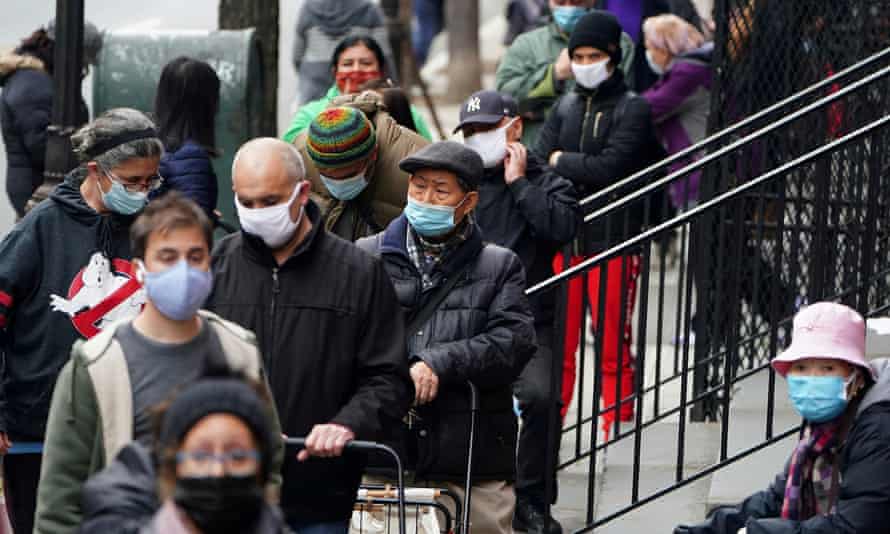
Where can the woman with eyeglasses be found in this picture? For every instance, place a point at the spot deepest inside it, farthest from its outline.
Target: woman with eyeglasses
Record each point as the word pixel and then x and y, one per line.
pixel 186 105
pixel 214 453
pixel 206 473
pixel 65 273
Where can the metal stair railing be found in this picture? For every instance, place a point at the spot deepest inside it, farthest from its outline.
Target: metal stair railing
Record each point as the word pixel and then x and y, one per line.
pixel 715 216
pixel 750 121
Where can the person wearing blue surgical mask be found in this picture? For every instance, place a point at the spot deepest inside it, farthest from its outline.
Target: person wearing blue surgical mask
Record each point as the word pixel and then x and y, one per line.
pixel 169 344
pixel 468 320
pixel 836 480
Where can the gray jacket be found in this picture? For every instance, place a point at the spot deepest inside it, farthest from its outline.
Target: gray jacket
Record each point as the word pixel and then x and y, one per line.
pixel 321 26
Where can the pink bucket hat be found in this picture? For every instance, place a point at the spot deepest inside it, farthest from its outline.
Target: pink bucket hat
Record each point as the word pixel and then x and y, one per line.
pixel 826 330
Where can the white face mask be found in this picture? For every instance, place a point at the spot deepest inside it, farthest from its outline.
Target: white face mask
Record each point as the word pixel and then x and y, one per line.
pixel 491 146
pixel 591 76
pixel 272 224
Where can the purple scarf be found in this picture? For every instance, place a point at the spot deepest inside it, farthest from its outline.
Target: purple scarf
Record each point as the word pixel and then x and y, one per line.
pixel 801 501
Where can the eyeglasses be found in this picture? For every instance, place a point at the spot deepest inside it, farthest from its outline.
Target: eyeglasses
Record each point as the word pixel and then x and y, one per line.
pixel 236 461
pixel 152 183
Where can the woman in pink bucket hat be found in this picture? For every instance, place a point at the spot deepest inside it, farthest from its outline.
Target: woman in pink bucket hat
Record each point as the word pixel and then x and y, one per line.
pixel 837 479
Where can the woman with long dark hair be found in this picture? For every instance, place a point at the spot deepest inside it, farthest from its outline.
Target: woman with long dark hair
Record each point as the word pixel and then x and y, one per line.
pixel 356 61
pixel 186 104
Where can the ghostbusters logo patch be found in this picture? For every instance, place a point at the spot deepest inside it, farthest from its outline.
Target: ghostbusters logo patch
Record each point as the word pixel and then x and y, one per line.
pixel 102 292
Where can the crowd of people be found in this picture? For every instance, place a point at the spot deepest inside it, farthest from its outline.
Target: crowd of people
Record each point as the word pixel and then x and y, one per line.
pixel 375 276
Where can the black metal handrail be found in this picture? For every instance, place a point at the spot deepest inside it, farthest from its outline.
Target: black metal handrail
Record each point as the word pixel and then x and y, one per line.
pixel 744 141
pixel 719 200
pixel 724 206
pixel 747 121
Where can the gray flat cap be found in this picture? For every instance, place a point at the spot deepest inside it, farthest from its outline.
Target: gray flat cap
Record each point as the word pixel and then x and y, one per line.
pixel 450 156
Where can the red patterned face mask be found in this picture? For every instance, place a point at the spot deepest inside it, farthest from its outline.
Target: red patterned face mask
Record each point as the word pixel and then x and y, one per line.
pixel 349 82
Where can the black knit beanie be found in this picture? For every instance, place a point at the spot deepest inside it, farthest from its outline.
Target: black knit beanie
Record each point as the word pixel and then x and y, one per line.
pixel 214 396
pixel 599 29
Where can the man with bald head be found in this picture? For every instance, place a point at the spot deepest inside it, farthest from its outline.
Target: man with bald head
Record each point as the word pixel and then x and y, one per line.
pixel 327 322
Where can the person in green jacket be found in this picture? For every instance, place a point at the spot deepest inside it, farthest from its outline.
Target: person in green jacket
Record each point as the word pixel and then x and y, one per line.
pixel 537 70
pixel 356 61
pixel 105 394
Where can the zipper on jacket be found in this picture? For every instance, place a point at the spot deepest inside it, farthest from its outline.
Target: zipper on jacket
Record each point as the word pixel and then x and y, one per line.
pixel 596 124
pixel 584 123
pixel 276 289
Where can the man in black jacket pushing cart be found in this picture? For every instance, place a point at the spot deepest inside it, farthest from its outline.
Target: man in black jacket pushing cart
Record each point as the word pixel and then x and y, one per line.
pixel 327 322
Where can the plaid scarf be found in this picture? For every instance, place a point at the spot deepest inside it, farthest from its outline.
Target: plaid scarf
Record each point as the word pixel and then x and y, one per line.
pixel 426 255
pixel 810 474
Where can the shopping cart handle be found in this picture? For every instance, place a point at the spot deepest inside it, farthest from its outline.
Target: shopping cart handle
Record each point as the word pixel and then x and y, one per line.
pixel 355 445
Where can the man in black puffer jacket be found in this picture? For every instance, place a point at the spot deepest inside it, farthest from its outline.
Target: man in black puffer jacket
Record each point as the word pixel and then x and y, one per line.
pixel 475 325
pixel 595 136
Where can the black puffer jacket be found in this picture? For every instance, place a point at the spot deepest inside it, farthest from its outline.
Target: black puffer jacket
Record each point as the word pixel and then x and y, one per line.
pixel 598 151
pixel 482 332
pixel 25 106
pixel 863 504
pixel 26 103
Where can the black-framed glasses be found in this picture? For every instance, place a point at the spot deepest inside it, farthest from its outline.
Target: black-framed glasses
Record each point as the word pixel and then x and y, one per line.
pixel 153 183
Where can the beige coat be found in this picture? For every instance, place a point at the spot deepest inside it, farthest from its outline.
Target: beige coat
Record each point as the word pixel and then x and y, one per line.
pixel 387 190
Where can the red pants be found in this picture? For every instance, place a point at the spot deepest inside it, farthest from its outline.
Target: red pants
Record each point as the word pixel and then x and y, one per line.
pixel 612 331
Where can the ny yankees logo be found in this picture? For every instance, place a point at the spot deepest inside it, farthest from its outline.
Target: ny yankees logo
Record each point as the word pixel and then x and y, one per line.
pixel 474 104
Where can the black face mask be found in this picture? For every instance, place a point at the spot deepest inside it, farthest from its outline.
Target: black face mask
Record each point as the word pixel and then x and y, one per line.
pixel 220 505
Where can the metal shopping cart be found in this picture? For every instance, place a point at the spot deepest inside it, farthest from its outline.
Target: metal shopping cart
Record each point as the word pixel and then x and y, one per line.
pixel 419 510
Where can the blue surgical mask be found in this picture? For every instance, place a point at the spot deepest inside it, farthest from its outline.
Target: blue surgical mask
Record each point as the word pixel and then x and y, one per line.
pixel 119 200
pixel 567 16
pixel 179 291
pixel 818 398
pixel 346 189
pixel 430 220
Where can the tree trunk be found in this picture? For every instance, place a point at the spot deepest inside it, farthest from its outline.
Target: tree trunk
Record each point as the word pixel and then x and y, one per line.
pixel 465 67
pixel 262 15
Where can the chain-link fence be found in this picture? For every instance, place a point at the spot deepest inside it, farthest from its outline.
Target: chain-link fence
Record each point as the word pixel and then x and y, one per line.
pixel 824 229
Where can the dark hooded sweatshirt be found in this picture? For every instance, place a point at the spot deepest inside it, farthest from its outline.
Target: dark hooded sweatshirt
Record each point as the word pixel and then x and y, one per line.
pixel 57 285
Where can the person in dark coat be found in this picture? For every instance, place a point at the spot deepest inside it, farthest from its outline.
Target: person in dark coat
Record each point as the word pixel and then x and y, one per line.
pixel 631 14
pixel 528 208
pixel 26 101
pixel 597 135
pixel 328 325
pixel 65 274
pixel 213 439
pixel 480 331
pixel 186 105
pixel 837 480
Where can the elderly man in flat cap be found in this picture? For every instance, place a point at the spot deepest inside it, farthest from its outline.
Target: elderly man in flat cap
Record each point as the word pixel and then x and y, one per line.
pixel 468 320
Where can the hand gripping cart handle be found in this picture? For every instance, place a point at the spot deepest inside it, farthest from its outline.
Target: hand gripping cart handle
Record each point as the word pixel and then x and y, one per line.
pixel 370 446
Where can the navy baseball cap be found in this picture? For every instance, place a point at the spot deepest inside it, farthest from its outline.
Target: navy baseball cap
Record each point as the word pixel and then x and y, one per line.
pixel 486 107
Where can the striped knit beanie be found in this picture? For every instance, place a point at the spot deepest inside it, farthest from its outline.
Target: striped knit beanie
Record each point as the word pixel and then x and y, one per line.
pixel 340 137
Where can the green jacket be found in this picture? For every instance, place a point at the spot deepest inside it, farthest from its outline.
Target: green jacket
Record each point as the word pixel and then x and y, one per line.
pixel 310 110
pixel 91 418
pixel 526 72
